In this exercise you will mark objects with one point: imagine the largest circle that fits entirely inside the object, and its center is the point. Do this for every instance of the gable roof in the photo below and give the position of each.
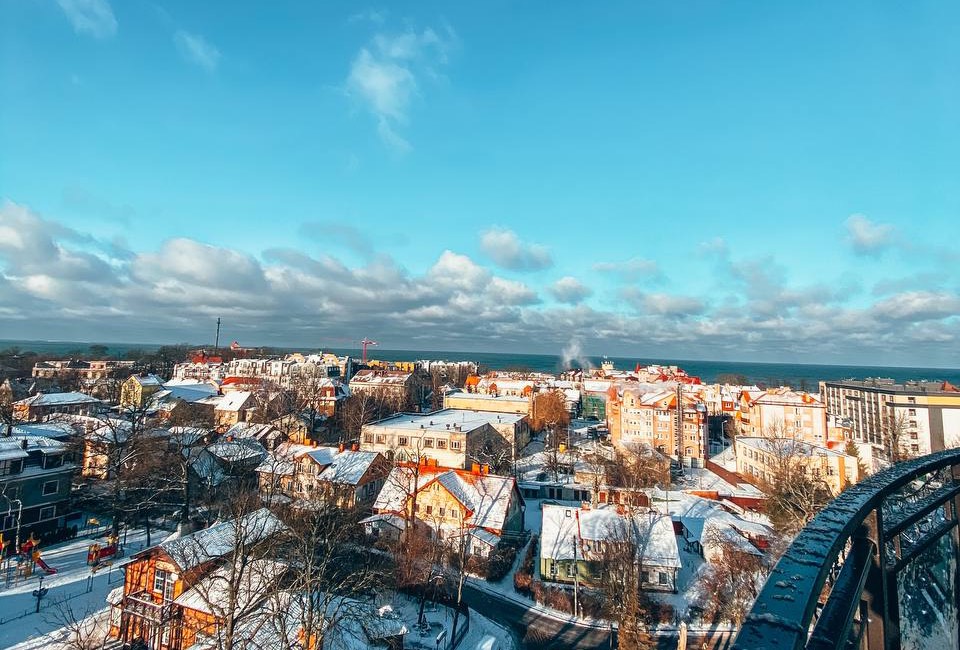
(486, 496)
(219, 540)
(652, 533)
(234, 401)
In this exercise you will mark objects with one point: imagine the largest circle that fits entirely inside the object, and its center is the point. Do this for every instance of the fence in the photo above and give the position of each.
(886, 551)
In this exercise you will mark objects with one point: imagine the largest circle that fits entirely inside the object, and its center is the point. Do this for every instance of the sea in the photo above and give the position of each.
(803, 376)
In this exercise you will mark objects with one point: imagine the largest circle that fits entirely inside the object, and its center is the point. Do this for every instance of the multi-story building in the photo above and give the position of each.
(758, 459)
(91, 370)
(452, 437)
(400, 387)
(923, 416)
(43, 406)
(458, 399)
(137, 389)
(653, 418)
(783, 412)
(35, 479)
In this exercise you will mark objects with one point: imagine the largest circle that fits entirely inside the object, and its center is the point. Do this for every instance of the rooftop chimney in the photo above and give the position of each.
(341, 447)
(485, 469)
(475, 468)
(354, 447)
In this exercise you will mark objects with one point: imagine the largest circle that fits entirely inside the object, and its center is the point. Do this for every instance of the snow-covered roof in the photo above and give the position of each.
(234, 401)
(236, 451)
(380, 378)
(486, 496)
(220, 539)
(785, 446)
(56, 430)
(212, 594)
(147, 380)
(486, 397)
(10, 449)
(59, 399)
(348, 467)
(253, 431)
(396, 521)
(280, 460)
(564, 526)
(445, 420)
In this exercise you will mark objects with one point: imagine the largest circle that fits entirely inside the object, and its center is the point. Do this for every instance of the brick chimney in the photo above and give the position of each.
(475, 468)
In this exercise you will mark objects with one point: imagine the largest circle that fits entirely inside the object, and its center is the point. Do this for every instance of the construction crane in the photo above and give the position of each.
(365, 342)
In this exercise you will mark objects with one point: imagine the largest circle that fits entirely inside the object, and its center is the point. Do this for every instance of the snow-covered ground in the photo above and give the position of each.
(484, 634)
(73, 592)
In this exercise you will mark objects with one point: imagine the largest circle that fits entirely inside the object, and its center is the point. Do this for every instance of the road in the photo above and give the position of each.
(533, 630)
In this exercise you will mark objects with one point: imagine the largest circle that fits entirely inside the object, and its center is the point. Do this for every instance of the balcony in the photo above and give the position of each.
(143, 605)
(876, 569)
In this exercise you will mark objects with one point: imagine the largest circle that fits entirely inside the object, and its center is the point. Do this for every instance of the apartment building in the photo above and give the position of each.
(452, 437)
(458, 399)
(927, 414)
(35, 479)
(785, 413)
(637, 416)
(757, 460)
(43, 406)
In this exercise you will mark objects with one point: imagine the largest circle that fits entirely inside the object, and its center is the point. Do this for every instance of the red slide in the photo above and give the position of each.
(46, 567)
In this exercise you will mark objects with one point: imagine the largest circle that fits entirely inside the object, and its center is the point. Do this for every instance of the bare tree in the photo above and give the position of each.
(79, 627)
(245, 569)
(621, 571)
(366, 406)
(732, 579)
(894, 429)
(795, 490)
(329, 570)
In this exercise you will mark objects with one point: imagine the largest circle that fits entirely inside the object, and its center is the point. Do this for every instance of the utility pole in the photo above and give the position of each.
(576, 573)
(216, 345)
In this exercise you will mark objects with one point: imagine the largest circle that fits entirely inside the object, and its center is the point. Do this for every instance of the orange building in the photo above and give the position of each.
(169, 590)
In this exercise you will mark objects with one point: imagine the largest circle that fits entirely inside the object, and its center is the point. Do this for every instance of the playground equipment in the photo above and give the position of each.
(30, 550)
(97, 553)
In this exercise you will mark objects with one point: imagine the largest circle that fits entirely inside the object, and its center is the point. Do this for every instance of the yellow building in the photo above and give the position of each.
(758, 458)
(137, 389)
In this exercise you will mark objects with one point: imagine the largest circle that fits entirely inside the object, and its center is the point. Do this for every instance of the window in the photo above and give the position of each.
(441, 444)
(381, 439)
(553, 569)
(428, 443)
(455, 444)
(914, 448)
(51, 487)
(663, 577)
(159, 580)
(571, 570)
(441, 511)
(368, 438)
(10, 466)
(402, 441)
(429, 510)
(48, 513)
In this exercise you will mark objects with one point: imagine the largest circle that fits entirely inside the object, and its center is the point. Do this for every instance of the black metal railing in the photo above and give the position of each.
(877, 569)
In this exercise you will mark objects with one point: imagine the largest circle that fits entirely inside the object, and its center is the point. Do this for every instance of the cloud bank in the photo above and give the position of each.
(58, 282)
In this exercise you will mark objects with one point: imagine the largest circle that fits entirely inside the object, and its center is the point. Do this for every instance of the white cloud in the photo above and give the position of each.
(383, 77)
(195, 49)
(630, 270)
(505, 249)
(663, 304)
(94, 17)
(57, 282)
(511, 292)
(570, 290)
(868, 237)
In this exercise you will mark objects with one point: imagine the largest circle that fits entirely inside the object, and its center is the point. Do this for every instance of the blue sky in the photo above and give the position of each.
(761, 181)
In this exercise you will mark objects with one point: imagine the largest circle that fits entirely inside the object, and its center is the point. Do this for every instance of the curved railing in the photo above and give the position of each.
(877, 568)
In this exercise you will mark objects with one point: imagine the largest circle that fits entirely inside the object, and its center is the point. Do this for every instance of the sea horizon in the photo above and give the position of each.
(798, 375)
